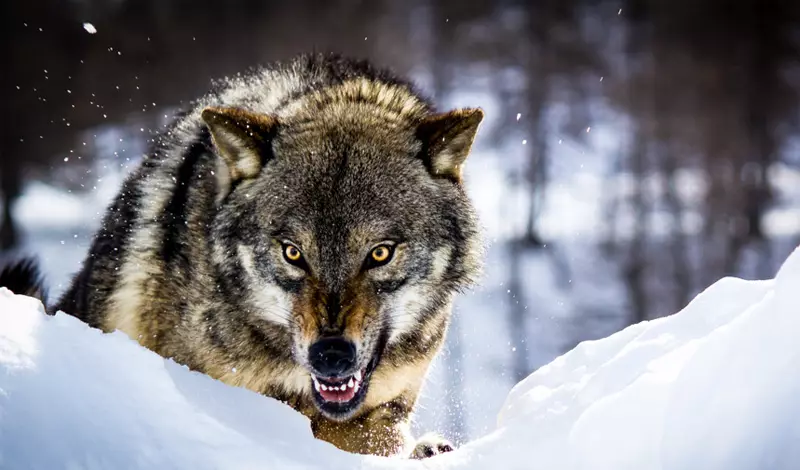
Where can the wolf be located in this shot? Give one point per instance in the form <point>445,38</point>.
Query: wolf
<point>300,231</point>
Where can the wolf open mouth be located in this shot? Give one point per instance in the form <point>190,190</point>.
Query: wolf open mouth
<point>339,390</point>
<point>340,397</point>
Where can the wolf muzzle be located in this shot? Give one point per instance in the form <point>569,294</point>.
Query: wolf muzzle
<point>332,357</point>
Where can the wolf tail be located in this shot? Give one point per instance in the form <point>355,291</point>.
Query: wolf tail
<point>23,277</point>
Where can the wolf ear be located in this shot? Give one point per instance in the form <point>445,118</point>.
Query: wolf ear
<point>447,139</point>
<point>242,139</point>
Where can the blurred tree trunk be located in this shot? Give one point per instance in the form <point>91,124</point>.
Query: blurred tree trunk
<point>538,67</point>
<point>10,189</point>
<point>637,96</point>
<point>517,314</point>
<point>678,246</point>
<point>635,265</point>
<point>668,155</point>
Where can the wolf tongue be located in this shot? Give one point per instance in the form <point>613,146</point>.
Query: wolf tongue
<point>338,395</point>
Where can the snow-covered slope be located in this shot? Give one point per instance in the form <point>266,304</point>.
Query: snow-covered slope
<point>716,386</point>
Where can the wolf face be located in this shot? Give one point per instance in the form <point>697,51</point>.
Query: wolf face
<point>350,229</point>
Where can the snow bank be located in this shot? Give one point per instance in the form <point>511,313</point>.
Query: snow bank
<point>715,386</point>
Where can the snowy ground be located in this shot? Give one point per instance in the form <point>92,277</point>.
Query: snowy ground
<point>714,386</point>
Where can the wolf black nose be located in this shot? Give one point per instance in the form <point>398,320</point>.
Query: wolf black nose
<point>332,357</point>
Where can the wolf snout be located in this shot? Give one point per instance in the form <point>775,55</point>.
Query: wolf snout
<point>332,357</point>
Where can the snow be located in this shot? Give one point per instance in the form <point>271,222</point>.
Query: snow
<point>714,386</point>
<point>89,27</point>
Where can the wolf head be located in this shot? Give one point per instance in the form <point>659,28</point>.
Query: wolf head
<point>350,227</point>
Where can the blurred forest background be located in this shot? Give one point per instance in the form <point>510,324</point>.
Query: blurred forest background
<point>634,152</point>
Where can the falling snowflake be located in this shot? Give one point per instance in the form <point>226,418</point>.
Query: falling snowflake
<point>89,27</point>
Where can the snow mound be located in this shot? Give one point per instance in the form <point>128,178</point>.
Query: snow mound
<point>715,386</point>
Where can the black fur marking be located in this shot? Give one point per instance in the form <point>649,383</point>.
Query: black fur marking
<point>230,276</point>
<point>214,333</point>
<point>333,307</point>
<point>173,222</point>
<point>23,277</point>
<point>79,302</point>
<point>453,272</point>
<point>387,287</point>
<point>289,285</point>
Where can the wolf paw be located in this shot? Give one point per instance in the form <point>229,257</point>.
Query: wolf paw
<point>429,445</point>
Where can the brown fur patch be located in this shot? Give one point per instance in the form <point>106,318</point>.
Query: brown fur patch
<point>361,309</point>
<point>358,308</point>
<point>383,430</point>
<point>396,103</point>
<point>393,380</point>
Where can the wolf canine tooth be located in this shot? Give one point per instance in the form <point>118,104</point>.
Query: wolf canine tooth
<point>350,383</point>
<point>357,375</point>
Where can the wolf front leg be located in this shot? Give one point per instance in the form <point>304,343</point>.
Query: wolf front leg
<point>382,431</point>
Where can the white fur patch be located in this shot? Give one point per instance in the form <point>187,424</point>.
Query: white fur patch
<point>223,176</point>
<point>272,302</point>
<point>136,268</point>
<point>406,310</point>
<point>297,381</point>
<point>126,299</point>
<point>410,300</point>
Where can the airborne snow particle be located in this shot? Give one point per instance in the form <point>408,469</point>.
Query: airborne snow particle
<point>89,27</point>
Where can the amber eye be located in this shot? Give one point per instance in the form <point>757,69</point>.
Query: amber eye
<point>291,253</point>
<point>379,256</point>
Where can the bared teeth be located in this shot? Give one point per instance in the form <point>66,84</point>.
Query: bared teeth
<point>353,383</point>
